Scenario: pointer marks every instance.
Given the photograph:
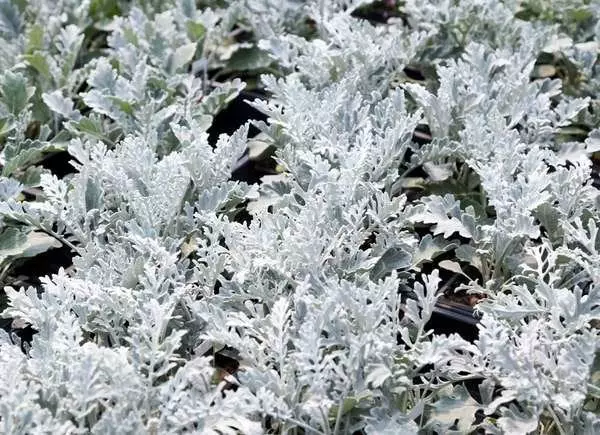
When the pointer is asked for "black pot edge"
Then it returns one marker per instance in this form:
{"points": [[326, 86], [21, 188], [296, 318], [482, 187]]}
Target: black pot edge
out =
{"points": [[458, 312], [450, 317]]}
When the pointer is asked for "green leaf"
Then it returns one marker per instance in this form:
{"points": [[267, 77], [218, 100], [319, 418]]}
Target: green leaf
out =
{"points": [[91, 127], [31, 176], [468, 254], [219, 98], [349, 403], [429, 248], [101, 9], [35, 39], [10, 19], [5, 128], [392, 259], [580, 15], [123, 105], [39, 63], [28, 153], [549, 218], [10, 238], [22, 159], [17, 244], [38, 242], [15, 92], [183, 55], [249, 58], [196, 31]]}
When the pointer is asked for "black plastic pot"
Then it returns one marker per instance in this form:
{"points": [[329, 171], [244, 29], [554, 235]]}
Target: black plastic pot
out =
{"points": [[451, 317], [378, 12], [596, 171], [236, 114]]}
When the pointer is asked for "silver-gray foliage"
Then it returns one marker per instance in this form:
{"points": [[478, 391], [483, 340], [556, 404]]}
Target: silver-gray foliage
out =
{"points": [[322, 296]]}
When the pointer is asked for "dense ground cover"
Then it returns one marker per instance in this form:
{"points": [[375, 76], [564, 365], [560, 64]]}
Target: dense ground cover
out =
{"points": [[161, 277]]}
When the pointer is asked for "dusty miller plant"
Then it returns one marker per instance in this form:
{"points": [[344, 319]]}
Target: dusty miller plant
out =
{"points": [[320, 282]]}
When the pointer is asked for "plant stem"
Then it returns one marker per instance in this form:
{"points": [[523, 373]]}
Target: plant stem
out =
{"points": [[338, 418], [559, 427], [303, 425], [60, 238]]}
